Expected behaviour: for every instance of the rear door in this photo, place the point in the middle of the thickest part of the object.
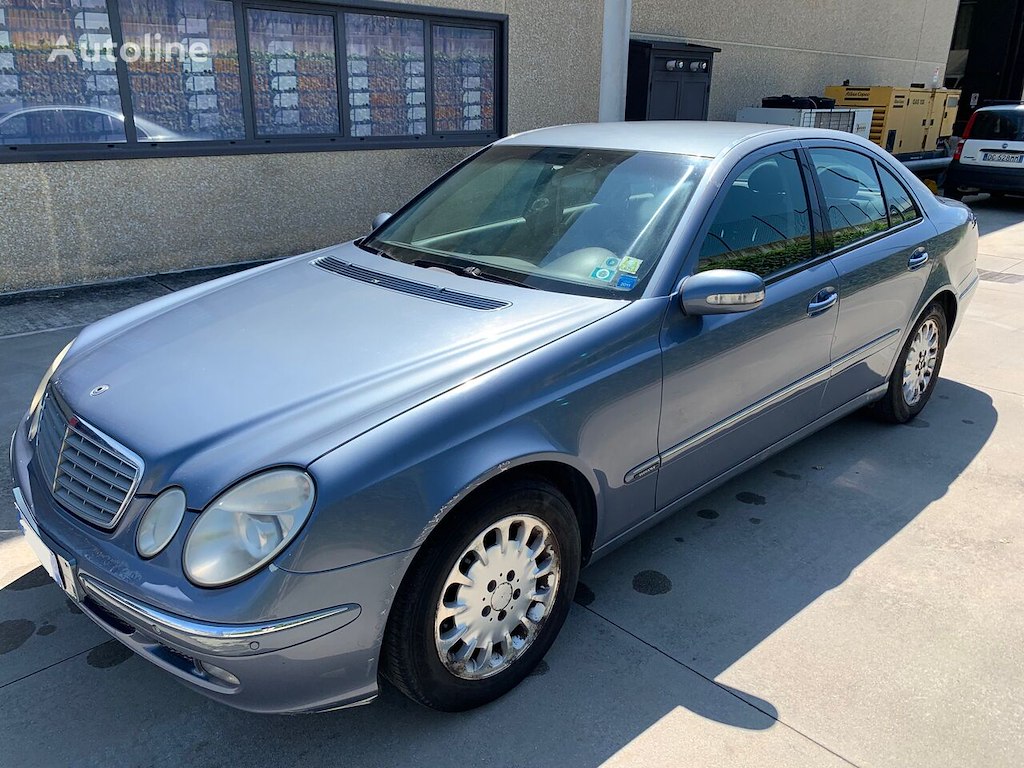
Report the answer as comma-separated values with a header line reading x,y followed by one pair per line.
x,y
995,140
878,241
736,384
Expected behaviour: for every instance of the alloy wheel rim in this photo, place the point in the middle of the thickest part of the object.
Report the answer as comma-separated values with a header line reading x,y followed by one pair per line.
x,y
920,364
497,597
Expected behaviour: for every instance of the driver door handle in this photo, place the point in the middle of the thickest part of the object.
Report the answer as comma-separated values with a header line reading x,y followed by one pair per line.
x,y
918,259
824,299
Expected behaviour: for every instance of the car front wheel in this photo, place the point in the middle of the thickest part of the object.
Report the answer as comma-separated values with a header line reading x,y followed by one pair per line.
x,y
917,369
485,597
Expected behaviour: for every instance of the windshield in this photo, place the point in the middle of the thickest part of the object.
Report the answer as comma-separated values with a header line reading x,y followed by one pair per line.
x,y
997,125
584,221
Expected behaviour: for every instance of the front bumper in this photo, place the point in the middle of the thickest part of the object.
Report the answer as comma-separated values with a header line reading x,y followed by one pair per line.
x,y
984,178
316,660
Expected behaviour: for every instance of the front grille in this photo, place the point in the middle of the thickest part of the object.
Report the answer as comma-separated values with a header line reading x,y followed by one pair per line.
x,y
90,475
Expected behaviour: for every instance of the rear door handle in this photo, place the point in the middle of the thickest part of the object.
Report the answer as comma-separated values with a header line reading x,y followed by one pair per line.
x,y
918,259
824,299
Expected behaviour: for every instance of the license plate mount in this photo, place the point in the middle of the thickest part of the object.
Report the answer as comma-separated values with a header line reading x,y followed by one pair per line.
x,y
1002,157
60,569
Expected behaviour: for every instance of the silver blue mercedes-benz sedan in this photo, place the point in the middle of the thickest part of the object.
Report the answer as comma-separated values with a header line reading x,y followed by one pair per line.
x,y
390,458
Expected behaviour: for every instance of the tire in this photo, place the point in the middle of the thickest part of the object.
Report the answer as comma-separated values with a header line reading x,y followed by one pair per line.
x,y
929,335
418,632
953,194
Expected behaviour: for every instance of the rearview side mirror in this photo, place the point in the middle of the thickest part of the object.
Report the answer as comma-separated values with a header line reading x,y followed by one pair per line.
x,y
720,292
379,219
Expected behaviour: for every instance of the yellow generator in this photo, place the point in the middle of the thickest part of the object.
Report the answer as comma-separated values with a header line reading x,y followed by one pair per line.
x,y
906,121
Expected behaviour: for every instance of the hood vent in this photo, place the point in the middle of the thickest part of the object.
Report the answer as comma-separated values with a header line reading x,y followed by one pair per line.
x,y
423,290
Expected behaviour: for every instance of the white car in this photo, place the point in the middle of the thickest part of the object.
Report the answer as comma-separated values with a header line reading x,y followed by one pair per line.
x,y
990,156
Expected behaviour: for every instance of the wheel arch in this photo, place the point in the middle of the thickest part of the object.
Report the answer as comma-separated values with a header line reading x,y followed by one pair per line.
x,y
945,298
560,470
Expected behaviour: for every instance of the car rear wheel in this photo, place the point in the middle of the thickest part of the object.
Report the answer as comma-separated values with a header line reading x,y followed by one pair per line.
x,y
485,597
917,369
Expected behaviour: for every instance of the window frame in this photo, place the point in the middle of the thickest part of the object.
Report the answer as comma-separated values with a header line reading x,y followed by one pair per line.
x,y
823,205
252,143
742,165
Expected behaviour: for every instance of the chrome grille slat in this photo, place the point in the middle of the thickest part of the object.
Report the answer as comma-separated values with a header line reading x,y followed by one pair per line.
x,y
71,474
99,467
85,500
90,475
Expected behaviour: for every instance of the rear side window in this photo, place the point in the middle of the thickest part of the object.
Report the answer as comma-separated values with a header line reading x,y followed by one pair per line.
x,y
762,225
998,126
900,203
853,196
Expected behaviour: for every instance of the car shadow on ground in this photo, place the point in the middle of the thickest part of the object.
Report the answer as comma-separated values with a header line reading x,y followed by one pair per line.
x,y
655,623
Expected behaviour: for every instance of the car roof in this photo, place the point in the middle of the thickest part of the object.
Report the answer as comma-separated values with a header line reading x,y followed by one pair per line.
x,y
684,137
1001,108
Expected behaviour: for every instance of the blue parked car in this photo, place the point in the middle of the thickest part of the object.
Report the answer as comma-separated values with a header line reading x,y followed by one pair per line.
x,y
391,458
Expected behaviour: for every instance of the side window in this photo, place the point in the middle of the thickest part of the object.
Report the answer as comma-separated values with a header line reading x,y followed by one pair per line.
x,y
901,204
763,224
853,196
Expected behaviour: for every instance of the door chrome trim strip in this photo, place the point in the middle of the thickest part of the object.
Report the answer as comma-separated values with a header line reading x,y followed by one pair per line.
x,y
861,354
822,374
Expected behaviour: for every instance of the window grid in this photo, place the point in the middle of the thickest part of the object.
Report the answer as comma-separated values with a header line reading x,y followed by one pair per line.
x,y
401,112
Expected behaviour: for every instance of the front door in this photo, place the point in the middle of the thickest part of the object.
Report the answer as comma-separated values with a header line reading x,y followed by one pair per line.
x,y
736,384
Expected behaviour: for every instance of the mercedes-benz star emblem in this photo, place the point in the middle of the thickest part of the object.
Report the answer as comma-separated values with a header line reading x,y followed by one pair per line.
x,y
99,390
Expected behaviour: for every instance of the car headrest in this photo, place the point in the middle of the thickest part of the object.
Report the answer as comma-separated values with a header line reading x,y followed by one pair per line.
x,y
838,184
767,179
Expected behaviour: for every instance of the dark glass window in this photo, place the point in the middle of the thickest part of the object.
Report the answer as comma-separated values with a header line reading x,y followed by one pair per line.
x,y
463,79
763,224
852,193
900,203
998,125
387,86
177,96
43,73
585,221
294,73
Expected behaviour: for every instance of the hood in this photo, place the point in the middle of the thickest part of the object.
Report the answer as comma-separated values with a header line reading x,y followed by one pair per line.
x,y
282,364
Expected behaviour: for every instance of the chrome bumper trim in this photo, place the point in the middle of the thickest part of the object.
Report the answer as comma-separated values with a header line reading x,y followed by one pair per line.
x,y
219,639
22,506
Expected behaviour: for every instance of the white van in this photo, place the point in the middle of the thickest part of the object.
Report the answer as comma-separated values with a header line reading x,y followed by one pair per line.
x,y
990,156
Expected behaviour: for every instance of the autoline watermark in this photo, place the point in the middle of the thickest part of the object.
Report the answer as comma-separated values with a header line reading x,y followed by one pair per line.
x,y
151,49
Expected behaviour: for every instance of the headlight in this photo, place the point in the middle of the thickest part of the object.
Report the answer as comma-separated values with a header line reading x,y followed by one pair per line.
x,y
37,399
160,522
246,527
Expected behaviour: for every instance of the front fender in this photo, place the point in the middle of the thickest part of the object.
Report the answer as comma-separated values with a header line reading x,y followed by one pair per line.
x,y
412,492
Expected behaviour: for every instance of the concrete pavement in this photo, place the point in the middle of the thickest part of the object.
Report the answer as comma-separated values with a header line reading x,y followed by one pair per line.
x,y
858,599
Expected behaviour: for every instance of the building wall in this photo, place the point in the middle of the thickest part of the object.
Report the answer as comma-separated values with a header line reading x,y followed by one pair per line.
x,y
64,223
773,47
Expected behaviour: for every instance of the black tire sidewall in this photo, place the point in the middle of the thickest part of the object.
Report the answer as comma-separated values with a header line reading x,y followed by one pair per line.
x,y
433,684
900,410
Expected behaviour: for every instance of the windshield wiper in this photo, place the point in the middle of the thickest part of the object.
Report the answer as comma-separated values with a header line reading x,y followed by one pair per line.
x,y
375,251
472,271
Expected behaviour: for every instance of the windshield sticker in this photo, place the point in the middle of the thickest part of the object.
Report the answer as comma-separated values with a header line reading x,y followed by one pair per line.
x,y
611,262
630,266
603,274
628,282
